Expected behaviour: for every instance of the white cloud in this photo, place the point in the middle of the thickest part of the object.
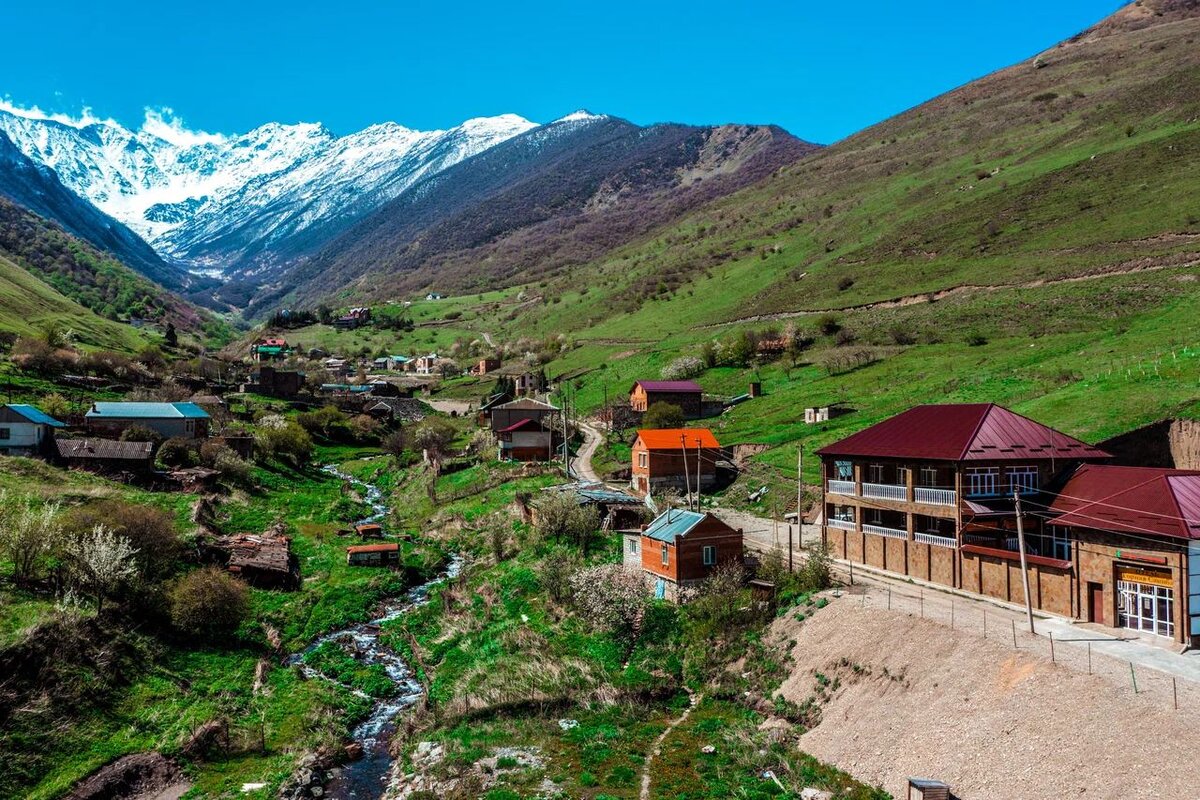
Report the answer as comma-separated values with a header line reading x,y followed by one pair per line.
x,y
85,118
163,123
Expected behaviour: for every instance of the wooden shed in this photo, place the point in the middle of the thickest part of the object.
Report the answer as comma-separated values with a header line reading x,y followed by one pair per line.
x,y
369,530
373,555
928,789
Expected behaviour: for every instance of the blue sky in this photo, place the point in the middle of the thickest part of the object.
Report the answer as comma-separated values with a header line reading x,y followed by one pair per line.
x,y
822,70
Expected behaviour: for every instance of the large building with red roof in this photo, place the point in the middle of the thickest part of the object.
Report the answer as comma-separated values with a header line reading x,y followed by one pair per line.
x,y
929,493
1132,535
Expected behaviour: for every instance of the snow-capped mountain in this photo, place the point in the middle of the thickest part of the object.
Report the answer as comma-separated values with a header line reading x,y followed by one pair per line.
x,y
215,202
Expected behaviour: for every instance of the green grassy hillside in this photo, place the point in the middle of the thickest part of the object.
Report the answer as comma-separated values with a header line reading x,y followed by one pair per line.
x,y
28,307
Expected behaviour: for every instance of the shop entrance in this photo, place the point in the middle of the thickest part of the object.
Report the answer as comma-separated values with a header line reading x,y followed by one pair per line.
x,y
1146,600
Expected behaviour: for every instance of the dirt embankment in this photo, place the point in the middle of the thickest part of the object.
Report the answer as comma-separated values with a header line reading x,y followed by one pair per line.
x,y
910,697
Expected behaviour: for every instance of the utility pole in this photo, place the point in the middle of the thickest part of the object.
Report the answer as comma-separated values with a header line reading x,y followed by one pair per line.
x,y
686,475
697,474
799,501
1024,566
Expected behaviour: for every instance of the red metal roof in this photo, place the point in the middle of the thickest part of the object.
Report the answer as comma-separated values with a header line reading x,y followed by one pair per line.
x,y
669,438
962,432
373,548
1163,502
522,424
668,386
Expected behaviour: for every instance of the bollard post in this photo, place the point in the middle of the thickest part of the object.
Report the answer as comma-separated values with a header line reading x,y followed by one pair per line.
x,y
1133,676
951,613
1052,647
889,598
1175,693
922,604
1089,658
1014,631
985,623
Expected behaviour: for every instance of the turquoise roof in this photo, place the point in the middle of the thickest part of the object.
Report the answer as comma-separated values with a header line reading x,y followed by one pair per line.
x,y
36,415
672,523
146,411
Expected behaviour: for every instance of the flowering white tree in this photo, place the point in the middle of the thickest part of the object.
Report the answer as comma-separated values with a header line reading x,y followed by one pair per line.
x,y
102,560
613,598
29,534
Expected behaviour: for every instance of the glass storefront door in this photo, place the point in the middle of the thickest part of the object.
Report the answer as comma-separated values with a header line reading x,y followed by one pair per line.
x,y
1146,608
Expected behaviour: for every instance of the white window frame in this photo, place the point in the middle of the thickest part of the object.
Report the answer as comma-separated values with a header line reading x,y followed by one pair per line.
x,y
633,547
929,477
643,461
1060,543
992,476
875,473
1018,480
708,555
843,513
666,555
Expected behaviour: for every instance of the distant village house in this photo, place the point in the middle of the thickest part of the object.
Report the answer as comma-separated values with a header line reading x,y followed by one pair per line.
x,y
26,430
674,458
686,394
679,549
169,420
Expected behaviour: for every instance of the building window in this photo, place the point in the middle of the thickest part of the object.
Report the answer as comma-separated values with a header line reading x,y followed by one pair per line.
x,y
666,555
843,513
982,481
710,555
845,470
5,433
902,474
924,524
1023,479
874,516
1060,544
633,546
875,473
642,459
929,477
1146,607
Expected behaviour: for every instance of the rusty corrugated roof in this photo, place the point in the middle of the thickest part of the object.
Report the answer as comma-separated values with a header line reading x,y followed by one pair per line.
x,y
962,432
1163,502
668,386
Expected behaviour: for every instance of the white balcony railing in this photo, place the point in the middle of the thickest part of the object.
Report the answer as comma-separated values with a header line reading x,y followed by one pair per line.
x,y
935,540
844,524
891,533
842,487
936,497
885,491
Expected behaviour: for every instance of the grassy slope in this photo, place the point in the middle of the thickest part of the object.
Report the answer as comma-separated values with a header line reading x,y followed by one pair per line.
x,y
27,306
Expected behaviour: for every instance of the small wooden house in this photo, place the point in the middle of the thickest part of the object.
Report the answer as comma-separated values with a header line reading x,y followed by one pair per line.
x,y
106,456
263,560
373,555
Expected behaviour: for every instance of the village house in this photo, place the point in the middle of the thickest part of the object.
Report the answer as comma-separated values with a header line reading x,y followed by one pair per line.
x,y
618,510
352,319
526,430
930,493
271,348
679,549
169,420
426,365
337,367
26,430
435,296
1130,541
674,458
485,366
373,555
272,382
107,456
529,383
686,394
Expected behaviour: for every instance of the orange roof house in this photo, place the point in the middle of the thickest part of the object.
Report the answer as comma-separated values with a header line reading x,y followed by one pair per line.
x,y
673,458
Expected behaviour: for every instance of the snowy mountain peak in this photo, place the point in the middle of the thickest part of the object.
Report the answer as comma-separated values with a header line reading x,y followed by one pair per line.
x,y
582,115
214,200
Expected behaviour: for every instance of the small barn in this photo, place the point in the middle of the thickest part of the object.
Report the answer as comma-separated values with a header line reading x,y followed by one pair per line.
x,y
106,456
369,530
373,555
264,560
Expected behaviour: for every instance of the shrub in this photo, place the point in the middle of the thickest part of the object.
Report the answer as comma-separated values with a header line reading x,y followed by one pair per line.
x,y
976,339
828,324
901,335
844,283
150,531
208,603
140,433
282,439
683,368
663,415
611,598
560,517
175,452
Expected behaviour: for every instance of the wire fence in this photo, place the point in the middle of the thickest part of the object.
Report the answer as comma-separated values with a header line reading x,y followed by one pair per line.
x,y
1079,650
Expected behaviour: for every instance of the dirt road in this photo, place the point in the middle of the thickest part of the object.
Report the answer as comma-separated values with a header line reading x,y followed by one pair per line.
x,y
581,465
